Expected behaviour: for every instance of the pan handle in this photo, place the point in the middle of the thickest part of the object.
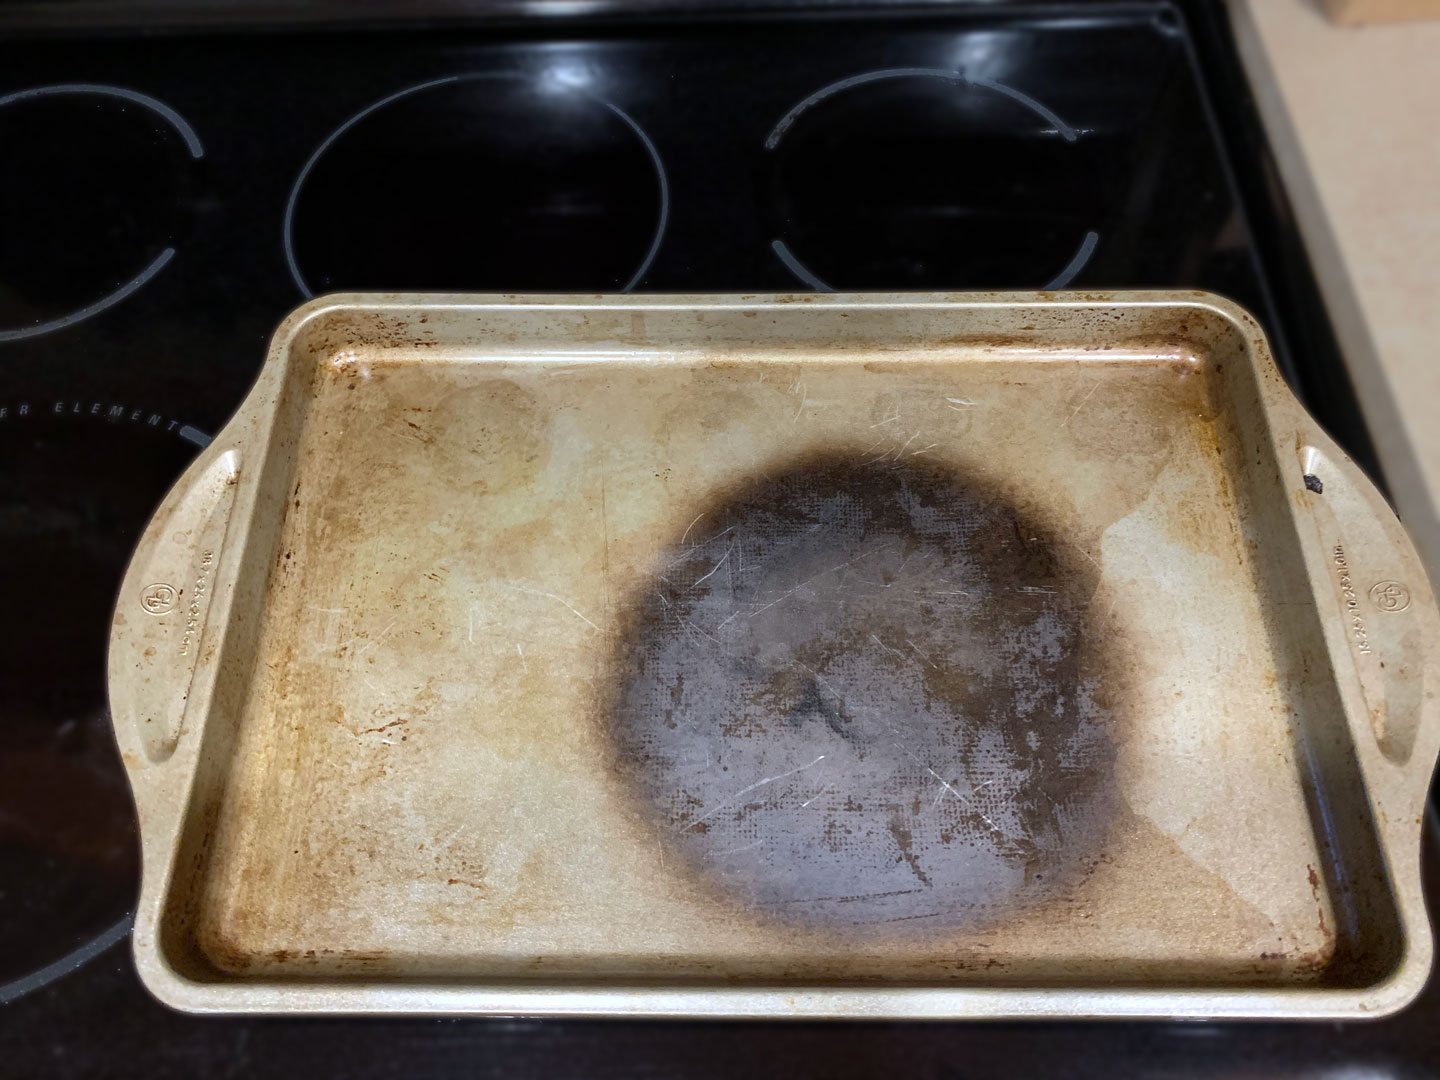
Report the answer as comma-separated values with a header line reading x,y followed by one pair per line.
x,y
162,639
1387,613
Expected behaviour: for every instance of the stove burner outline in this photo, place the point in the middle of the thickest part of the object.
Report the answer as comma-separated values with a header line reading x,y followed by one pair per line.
x,y
92,309
178,122
120,929
1076,264
329,140
192,143
796,267
71,961
957,78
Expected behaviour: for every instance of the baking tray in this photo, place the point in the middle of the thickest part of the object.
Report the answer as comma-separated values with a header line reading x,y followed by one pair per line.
x,y
812,656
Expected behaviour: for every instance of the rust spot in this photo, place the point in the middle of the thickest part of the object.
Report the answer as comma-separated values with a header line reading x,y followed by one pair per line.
x,y
462,881
383,727
1325,931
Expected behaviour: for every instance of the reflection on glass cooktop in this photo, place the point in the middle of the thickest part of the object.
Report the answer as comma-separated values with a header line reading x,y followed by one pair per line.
x,y
166,199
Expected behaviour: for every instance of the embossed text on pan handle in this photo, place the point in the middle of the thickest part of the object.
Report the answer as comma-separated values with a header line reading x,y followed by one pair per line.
x,y
1378,587
159,642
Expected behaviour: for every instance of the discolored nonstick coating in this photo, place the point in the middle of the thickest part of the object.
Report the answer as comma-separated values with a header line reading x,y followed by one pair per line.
x,y
864,692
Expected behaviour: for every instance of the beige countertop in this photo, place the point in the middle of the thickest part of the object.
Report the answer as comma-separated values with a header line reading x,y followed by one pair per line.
x,y
1353,114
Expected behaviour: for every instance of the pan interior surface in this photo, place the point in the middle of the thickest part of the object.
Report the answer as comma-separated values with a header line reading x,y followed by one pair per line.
x,y
950,665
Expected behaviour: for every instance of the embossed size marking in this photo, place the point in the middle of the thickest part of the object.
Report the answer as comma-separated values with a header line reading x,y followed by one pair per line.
x,y
192,613
1349,599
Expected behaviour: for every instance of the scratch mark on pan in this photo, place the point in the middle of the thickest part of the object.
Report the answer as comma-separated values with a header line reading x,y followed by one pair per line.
x,y
828,785
523,665
692,524
797,588
685,555
376,640
890,421
1083,400
894,652
851,899
920,653
746,791
804,397
559,600
946,786
714,568
706,634
924,449
1087,555
959,401
737,850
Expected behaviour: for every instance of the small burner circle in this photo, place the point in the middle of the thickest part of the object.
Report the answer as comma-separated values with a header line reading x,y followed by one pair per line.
x,y
97,224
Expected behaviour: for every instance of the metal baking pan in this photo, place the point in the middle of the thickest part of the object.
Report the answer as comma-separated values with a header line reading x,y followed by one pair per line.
x,y
817,656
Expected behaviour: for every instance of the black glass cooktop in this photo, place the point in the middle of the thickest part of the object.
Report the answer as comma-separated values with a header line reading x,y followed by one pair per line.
x,y
165,198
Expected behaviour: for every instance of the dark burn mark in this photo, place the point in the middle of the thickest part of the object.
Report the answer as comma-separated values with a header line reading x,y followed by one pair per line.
x,y
798,697
900,831
867,692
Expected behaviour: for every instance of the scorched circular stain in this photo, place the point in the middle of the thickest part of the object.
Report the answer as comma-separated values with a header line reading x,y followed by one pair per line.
x,y
862,693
